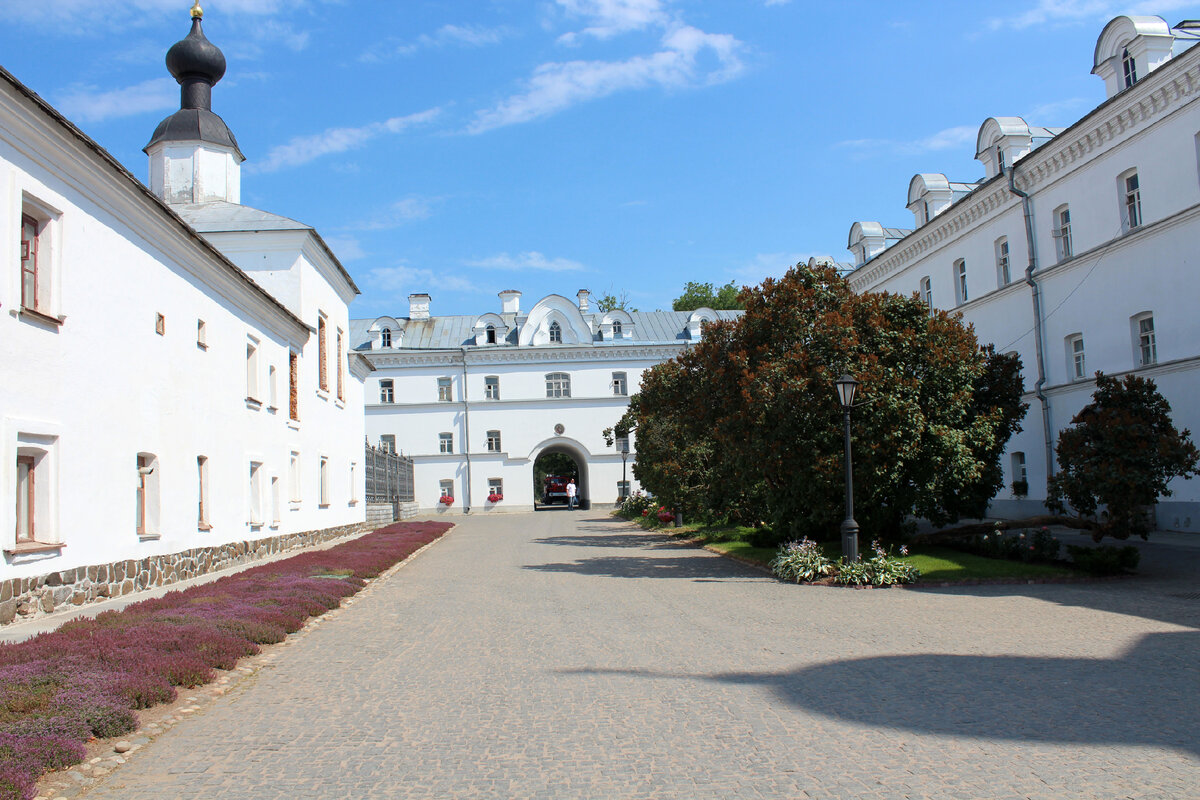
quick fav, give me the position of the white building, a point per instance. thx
(475, 400)
(159, 406)
(1077, 250)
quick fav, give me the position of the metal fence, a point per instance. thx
(389, 476)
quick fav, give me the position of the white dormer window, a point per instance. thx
(1128, 68)
(385, 337)
(617, 329)
(555, 332)
(1000, 160)
(491, 334)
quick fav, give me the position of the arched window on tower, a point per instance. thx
(1128, 68)
(555, 332)
(385, 337)
(491, 334)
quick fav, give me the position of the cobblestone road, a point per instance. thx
(564, 655)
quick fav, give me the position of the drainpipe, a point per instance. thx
(1035, 290)
(466, 434)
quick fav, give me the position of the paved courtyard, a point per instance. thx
(567, 655)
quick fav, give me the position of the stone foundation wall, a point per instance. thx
(25, 598)
(381, 514)
(409, 511)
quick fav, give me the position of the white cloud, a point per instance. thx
(1052, 111)
(559, 85)
(303, 149)
(610, 18)
(457, 35)
(404, 279)
(947, 139)
(404, 210)
(88, 104)
(1065, 12)
(526, 261)
(346, 248)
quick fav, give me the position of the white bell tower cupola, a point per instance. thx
(193, 155)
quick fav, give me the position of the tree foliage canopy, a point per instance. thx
(1121, 452)
(699, 295)
(746, 425)
(611, 302)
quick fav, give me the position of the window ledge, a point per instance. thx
(253, 404)
(34, 547)
(274, 525)
(294, 424)
(40, 317)
(149, 537)
(323, 394)
(322, 505)
(272, 409)
(340, 403)
(353, 503)
(255, 526)
(201, 345)
(204, 526)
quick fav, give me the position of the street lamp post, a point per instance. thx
(846, 387)
(624, 455)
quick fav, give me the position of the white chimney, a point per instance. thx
(510, 301)
(418, 306)
(582, 294)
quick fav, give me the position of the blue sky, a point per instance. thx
(461, 148)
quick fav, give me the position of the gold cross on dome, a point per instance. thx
(197, 11)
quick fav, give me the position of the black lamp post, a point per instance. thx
(846, 387)
(624, 455)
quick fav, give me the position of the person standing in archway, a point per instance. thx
(571, 495)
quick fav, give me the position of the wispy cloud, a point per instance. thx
(404, 279)
(556, 86)
(1066, 12)
(942, 140)
(447, 35)
(85, 16)
(1056, 110)
(608, 18)
(401, 212)
(526, 261)
(777, 2)
(346, 248)
(89, 104)
(303, 149)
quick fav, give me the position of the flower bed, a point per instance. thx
(87, 678)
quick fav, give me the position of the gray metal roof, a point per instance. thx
(451, 332)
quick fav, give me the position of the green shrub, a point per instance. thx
(801, 562)
(1105, 560)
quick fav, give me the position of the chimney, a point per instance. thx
(418, 306)
(582, 294)
(510, 301)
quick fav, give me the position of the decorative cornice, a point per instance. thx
(1113, 121)
(523, 355)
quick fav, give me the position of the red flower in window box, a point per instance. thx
(446, 500)
(495, 498)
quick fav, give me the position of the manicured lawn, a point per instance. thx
(945, 564)
(762, 555)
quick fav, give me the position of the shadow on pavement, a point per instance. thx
(695, 565)
(1150, 696)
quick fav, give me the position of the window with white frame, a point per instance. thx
(36, 491)
(555, 332)
(1064, 248)
(38, 228)
(927, 292)
(496, 487)
(558, 384)
(323, 480)
(491, 387)
(490, 332)
(960, 281)
(322, 356)
(27, 489)
(256, 494)
(294, 477)
(1019, 476)
(252, 370)
(1131, 201)
(202, 506)
(1128, 68)
(272, 388)
(385, 337)
(275, 501)
(31, 230)
(445, 442)
(293, 386)
(618, 329)
(201, 334)
(1076, 363)
(493, 441)
(387, 442)
(620, 385)
(387, 390)
(1003, 277)
(446, 488)
(444, 391)
(147, 495)
(341, 388)
(1145, 343)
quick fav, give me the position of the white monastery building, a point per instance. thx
(475, 400)
(1077, 250)
(176, 384)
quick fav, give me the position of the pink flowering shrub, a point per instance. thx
(86, 679)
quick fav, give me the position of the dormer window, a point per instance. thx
(1128, 68)
(555, 332)
(385, 337)
(491, 334)
(1000, 160)
(617, 329)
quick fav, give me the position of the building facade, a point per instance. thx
(1076, 250)
(160, 406)
(476, 400)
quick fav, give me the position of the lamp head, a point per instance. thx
(846, 388)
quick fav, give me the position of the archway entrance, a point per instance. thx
(552, 470)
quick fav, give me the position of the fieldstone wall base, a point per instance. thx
(27, 598)
(409, 511)
(381, 513)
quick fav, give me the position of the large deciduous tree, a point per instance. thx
(1121, 451)
(746, 422)
(699, 295)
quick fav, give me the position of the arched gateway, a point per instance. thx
(572, 450)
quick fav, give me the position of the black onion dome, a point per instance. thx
(195, 57)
